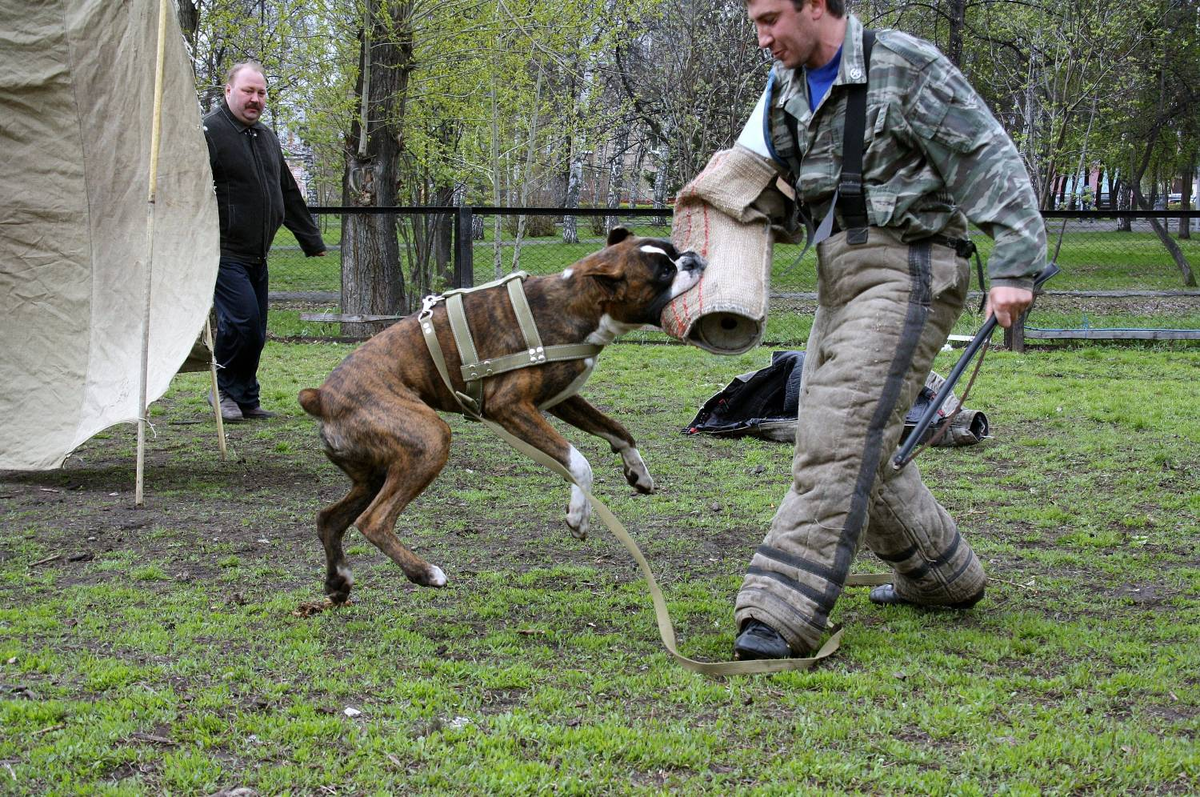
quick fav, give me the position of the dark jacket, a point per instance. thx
(255, 189)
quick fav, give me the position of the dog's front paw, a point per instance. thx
(641, 481)
(636, 472)
(579, 511)
(578, 527)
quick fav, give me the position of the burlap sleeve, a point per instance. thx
(725, 214)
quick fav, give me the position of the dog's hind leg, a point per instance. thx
(582, 415)
(332, 523)
(417, 445)
(529, 425)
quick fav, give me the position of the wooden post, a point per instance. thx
(155, 132)
(1014, 336)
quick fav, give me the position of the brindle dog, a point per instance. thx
(378, 409)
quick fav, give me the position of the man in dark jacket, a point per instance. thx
(255, 194)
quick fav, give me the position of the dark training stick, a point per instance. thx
(904, 455)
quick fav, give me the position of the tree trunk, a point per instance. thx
(527, 172)
(1041, 176)
(633, 180)
(660, 185)
(1124, 202)
(497, 172)
(1185, 202)
(372, 274)
(1185, 268)
(189, 23)
(957, 13)
(443, 236)
(616, 167)
(570, 232)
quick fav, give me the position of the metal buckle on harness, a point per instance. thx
(427, 305)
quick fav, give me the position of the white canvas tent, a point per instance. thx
(107, 264)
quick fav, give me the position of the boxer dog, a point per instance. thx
(378, 408)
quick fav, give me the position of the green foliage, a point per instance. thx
(1078, 85)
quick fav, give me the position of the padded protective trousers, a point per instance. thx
(885, 309)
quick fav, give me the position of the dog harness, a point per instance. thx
(474, 370)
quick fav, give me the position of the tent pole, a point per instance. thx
(216, 391)
(155, 131)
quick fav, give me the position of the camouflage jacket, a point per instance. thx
(934, 156)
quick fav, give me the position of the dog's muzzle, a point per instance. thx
(690, 261)
(688, 268)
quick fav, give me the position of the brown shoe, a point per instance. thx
(256, 413)
(230, 411)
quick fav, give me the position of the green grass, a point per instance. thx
(1090, 258)
(171, 661)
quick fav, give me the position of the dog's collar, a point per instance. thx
(474, 370)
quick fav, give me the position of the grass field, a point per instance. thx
(1093, 257)
(158, 650)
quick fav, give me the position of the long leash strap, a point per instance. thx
(472, 408)
(666, 630)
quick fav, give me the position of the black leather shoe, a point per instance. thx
(230, 411)
(760, 641)
(886, 595)
(256, 412)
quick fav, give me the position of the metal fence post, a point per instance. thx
(464, 251)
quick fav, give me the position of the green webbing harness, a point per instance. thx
(474, 370)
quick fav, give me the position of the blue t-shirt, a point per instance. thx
(820, 79)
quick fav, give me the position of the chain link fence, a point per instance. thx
(1118, 273)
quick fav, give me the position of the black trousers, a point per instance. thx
(240, 299)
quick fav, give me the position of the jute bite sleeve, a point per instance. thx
(725, 214)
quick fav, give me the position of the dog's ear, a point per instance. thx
(604, 269)
(617, 234)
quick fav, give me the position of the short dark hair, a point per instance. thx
(256, 66)
(836, 7)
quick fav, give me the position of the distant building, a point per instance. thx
(301, 160)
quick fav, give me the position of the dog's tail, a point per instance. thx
(310, 400)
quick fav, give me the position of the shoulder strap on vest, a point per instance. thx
(850, 187)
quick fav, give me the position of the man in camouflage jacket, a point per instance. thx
(934, 158)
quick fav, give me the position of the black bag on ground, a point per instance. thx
(765, 403)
